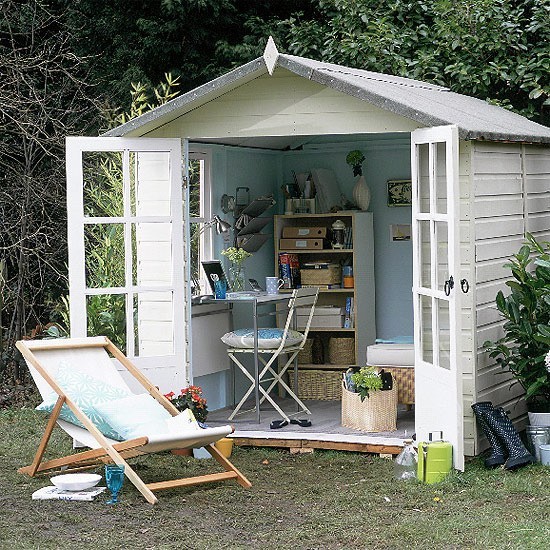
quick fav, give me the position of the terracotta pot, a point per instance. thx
(182, 452)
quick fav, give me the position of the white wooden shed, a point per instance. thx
(480, 176)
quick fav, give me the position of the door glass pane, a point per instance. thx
(102, 173)
(426, 329)
(152, 243)
(104, 253)
(442, 253)
(444, 344)
(154, 328)
(196, 175)
(422, 151)
(150, 184)
(440, 177)
(425, 253)
(106, 316)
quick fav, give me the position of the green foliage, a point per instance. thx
(494, 50)
(355, 159)
(526, 309)
(366, 380)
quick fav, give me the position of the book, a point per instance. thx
(348, 313)
(54, 493)
(289, 270)
(323, 287)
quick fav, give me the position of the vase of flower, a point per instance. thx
(237, 257)
(361, 191)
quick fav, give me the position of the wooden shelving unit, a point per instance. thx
(361, 257)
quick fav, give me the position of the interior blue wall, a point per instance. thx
(265, 171)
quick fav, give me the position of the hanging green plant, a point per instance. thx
(355, 159)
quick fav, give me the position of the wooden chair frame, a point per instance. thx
(108, 450)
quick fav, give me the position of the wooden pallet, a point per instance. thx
(296, 446)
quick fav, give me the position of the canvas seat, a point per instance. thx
(272, 344)
(55, 363)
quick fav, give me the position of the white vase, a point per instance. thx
(539, 419)
(361, 193)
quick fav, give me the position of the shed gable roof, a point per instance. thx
(427, 104)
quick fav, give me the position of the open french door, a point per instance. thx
(436, 264)
(127, 261)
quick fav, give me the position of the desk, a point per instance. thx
(255, 300)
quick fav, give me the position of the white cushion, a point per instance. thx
(268, 338)
(135, 416)
(390, 355)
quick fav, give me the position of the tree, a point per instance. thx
(43, 98)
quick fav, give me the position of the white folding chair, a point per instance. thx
(274, 343)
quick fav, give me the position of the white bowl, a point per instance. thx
(75, 482)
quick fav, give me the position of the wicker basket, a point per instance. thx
(324, 385)
(331, 275)
(377, 413)
(305, 356)
(341, 351)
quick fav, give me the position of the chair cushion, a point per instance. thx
(268, 338)
(135, 415)
(86, 391)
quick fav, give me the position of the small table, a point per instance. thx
(255, 299)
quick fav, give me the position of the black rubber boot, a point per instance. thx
(498, 450)
(502, 426)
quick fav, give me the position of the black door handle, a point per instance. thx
(448, 286)
(464, 285)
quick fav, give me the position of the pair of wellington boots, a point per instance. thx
(506, 446)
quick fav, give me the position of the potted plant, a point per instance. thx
(236, 256)
(524, 348)
(190, 398)
(366, 380)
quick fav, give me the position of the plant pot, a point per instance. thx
(225, 446)
(539, 418)
(182, 452)
(201, 453)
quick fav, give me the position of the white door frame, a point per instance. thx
(169, 370)
(435, 218)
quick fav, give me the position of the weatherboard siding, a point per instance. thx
(511, 184)
(284, 104)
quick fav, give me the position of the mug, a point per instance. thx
(273, 284)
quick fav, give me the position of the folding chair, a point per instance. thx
(89, 358)
(274, 343)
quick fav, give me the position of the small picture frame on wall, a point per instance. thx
(400, 232)
(399, 192)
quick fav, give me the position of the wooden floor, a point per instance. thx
(325, 432)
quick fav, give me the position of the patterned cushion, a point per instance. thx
(135, 415)
(86, 391)
(268, 338)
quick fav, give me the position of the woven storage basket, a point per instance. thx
(341, 351)
(331, 275)
(324, 385)
(306, 353)
(377, 413)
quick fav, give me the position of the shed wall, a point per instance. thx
(511, 188)
(284, 104)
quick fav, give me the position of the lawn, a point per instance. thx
(323, 500)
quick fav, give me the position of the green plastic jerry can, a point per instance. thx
(435, 459)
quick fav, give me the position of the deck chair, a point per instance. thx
(285, 342)
(90, 357)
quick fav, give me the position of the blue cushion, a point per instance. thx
(86, 391)
(268, 338)
(135, 416)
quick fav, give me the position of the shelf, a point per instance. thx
(322, 366)
(324, 215)
(322, 251)
(330, 329)
(322, 290)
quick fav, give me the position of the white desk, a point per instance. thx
(255, 300)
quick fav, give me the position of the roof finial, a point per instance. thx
(271, 55)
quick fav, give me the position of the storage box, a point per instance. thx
(324, 385)
(301, 244)
(327, 274)
(332, 319)
(341, 351)
(304, 232)
(300, 206)
(377, 413)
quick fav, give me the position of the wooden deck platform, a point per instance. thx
(325, 432)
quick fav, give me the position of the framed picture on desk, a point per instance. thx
(214, 271)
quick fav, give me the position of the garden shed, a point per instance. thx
(480, 179)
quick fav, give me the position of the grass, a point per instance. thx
(325, 500)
